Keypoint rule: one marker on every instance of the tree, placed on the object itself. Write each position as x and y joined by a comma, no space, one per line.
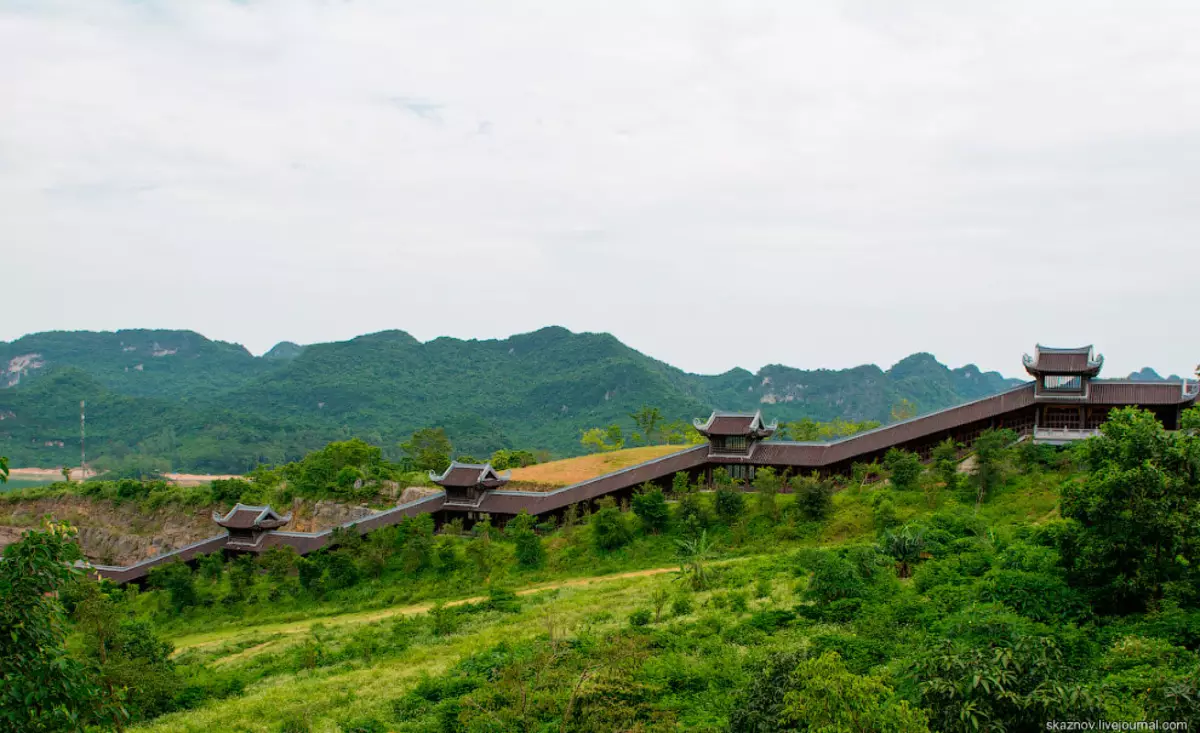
482,551
3,470
814,497
603,440
41,686
680,484
211,566
278,562
945,463
905,547
177,580
1007,681
904,467
903,410
767,483
1136,513
651,508
429,449
730,503
693,555
529,550
415,536
823,695
647,419
241,577
609,529
991,450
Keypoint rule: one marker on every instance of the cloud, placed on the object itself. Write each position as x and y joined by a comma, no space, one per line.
719,184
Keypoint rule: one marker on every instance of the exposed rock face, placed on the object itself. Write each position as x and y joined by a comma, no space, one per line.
111,533
310,516
121,534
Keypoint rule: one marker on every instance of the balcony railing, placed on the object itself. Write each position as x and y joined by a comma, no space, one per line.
1058,436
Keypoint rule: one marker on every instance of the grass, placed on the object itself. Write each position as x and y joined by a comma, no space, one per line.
573,470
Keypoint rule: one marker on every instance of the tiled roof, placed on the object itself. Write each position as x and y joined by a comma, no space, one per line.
1078,360
469,474
735,423
243,516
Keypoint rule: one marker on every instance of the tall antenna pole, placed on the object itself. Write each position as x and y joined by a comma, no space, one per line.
82,435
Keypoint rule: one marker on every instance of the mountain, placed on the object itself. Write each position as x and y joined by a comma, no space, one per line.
177,399
1146,374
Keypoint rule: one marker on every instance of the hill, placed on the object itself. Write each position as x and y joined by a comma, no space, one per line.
177,400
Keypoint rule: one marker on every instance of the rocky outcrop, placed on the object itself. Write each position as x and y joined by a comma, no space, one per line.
125,533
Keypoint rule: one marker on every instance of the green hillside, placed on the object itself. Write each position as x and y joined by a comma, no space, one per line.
1051,584
179,400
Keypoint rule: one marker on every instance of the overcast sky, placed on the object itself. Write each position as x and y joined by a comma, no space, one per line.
717,184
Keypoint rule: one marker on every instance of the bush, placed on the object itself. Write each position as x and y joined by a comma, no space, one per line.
651,508
364,725
730,503
640,617
904,467
814,498
682,605
609,530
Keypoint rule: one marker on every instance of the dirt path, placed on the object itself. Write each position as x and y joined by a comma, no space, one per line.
299,627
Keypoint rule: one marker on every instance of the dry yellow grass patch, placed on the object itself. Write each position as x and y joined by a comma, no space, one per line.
573,470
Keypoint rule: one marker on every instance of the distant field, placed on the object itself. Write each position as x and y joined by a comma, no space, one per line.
573,470
25,483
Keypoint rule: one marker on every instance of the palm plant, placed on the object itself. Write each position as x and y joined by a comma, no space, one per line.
693,554
905,547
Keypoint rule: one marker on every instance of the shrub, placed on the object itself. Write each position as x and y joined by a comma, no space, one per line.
682,605
651,508
609,530
640,617
904,467
814,498
730,503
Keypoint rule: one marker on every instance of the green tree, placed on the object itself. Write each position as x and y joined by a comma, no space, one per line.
177,580
608,526
241,577
991,452
903,410
603,440
3,470
1136,513
42,688
651,508
945,463
415,535
904,466
429,449
278,562
814,497
823,695
767,483
647,419
1011,680
680,484
529,550
729,502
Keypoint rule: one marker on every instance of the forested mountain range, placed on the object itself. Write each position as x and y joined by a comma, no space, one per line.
182,401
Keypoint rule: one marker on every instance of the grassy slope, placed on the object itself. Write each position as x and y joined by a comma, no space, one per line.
326,695
573,470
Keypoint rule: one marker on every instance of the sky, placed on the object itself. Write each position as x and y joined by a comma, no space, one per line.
717,184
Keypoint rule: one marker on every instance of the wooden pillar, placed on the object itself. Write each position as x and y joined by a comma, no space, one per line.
1082,417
